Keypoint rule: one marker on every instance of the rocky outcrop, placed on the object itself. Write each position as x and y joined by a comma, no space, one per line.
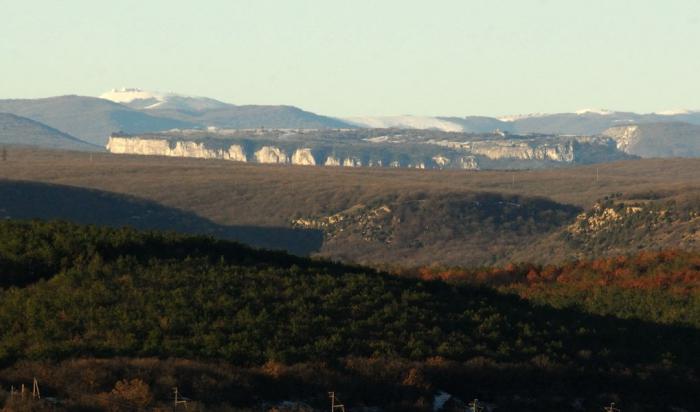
352,162
557,152
666,139
369,222
332,161
303,157
624,136
270,154
441,161
468,163
163,147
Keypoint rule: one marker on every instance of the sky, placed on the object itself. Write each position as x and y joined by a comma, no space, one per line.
363,57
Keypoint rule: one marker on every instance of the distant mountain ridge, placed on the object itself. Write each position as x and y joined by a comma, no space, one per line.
673,139
142,99
582,122
93,119
207,112
88,118
138,111
17,130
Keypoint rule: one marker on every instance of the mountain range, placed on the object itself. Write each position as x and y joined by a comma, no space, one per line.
582,122
23,131
134,111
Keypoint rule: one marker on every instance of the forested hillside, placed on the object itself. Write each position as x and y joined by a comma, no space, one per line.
81,291
661,287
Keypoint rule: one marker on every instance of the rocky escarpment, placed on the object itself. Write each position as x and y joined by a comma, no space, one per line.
382,148
163,147
618,225
625,136
668,139
422,228
277,154
237,152
560,152
613,223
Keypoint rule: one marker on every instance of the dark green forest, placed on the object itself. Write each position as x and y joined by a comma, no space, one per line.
85,292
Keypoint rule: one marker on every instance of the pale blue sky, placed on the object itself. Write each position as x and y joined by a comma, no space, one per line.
361,57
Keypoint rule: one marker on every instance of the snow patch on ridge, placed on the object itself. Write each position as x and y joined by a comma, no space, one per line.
514,117
676,112
602,112
128,95
144,99
404,122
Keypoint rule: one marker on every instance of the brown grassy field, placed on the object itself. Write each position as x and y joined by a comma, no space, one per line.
230,193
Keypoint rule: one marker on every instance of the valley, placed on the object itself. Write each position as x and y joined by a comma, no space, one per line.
416,217
366,206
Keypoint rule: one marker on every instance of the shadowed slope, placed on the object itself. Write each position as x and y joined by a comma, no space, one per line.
17,130
28,200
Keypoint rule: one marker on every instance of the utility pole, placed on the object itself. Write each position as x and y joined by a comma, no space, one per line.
179,400
474,406
612,408
35,390
335,406
3,154
596,175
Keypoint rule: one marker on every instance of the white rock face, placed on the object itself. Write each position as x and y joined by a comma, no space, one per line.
624,136
194,149
352,162
162,147
441,160
126,145
303,157
332,161
468,163
562,152
271,154
235,152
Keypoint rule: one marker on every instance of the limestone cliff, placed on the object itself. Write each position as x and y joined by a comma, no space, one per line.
667,139
558,152
163,147
625,136
356,148
270,154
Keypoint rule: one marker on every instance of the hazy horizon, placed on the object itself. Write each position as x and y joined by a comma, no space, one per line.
362,58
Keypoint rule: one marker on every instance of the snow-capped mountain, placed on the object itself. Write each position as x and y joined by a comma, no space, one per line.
149,100
205,112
